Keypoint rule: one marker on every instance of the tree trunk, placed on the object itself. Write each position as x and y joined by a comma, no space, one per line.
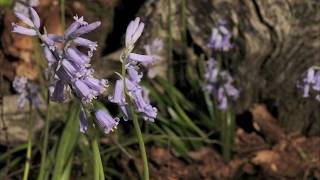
275,42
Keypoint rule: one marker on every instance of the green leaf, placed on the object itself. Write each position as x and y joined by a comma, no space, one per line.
178,145
67,171
13,150
67,141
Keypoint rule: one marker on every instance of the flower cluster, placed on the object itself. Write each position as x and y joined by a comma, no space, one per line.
155,49
70,67
27,92
219,84
130,84
311,83
220,37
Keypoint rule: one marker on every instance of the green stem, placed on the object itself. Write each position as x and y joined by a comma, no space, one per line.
170,60
141,143
29,148
210,107
45,141
228,133
62,15
135,120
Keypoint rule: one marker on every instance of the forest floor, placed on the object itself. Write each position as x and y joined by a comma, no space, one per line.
294,158
257,155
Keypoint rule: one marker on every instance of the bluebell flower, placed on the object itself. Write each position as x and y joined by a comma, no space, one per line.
311,83
20,84
22,6
49,56
222,99
83,91
147,59
155,49
48,41
218,83
134,31
69,66
133,78
86,43
220,37
98,85
118,95
33,23
211,74
149,112
133,75
77,57
35,18
140,99
74,26
22,30
58,91
27,92
85,29
24,19
119,98
33,94
106,121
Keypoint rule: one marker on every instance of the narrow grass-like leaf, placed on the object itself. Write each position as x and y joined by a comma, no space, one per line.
50,161
98,167
13,150
180,148
67,141
67,171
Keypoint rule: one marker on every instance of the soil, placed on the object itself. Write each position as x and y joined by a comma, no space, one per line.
257,155
294,158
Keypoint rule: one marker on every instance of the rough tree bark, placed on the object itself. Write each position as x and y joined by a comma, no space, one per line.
275,42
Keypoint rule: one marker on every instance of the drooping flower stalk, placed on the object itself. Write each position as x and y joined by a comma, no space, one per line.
68,69
128,94
68,66
219,82
220,85
28,92
129,84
